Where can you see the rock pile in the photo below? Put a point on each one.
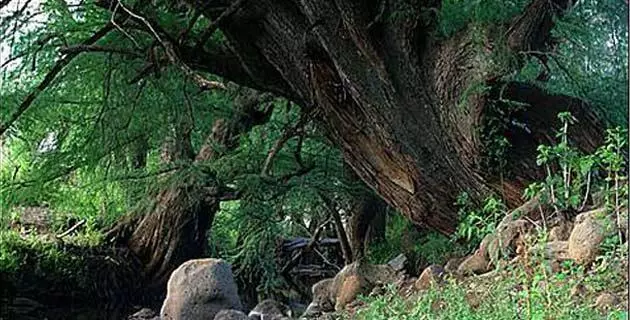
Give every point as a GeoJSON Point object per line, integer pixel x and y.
{"type": "Point", "coordinates": [205, 288]}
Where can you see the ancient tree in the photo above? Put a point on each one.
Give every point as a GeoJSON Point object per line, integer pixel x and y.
{"type": "Point", "coordinates": [415, 111]}
{"type": "Point", "coordinates": [396, 97]}
{"type": "Point", "coordinates": [174, 229]}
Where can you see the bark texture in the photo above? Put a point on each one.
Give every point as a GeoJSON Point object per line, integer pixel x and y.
{"type": "Point", "coordinates": [396, 98]}
{"type": "Point", "coordinates": [174, 229]}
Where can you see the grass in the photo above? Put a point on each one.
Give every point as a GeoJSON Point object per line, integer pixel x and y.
{"type": "Point", "coordinates": [528, 289]}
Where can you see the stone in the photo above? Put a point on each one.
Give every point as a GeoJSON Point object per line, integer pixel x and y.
{"type": "Point", "coordinates": [353, 280]}
{"type": "Point", "coordinates": [398, 263]}
{"type": "Point", "coordinates": [557, 250]}
{"type": "Point", "coordinates": [359, 279]}
{"type": "Point", "coordinates": [322, 299]}
{"type": "Point", "coordinates": [474, 264]}
{"type": "Point", "coordinates": [144, 314]}
{"type": "Point", "coordinates": [452, 264]}
{"type": "Point", "coordinates": [268, 310]}
{"type": "Point", "coordinates": [431, 275]}
{"type": "Point", "coordinates": [502, 243]}
{"type": "Point", "coordinates": [199, 289]}
{"type": "Point", "coordinates": [606, 301]}
{"type": "Point", "coordinates": [231, 314]}
{"type": "Point", "coordinates": [561, 232]}
{"type": "Point", "coordinates": [591, 228]}
{"type": "Point", "coordinates": [351, 287]}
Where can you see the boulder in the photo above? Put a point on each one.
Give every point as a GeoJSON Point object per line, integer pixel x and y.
{"type": "Point", "coordinates": [452, 264]}
{"type": "Point", "coordinates": [231, 314]}
{"type": "Point", "coordinates": [474, 264]}
{"type": "Point", "coordinates": [199, 289]}
{"type": "Point", "coordinates": [591, 228]}
{"type": "Point", "coordinates": [502, 243]}
{"type": "Point", "coordinates": [351, 285]}
{"type": "Point", "coordinates": [268, 310]}
{"type": "Point", "coordinates": [606, 301]}
{"type": "Point", "coordinates": [557, 250]}
{"type": "Point", "coordinates": [561, 232]}
{"type": "Point", "coordinates": [144, 314]}
{"type": "Point", "coordinates": [359, 278]}
{"type": "Point", "coordinates": [430, 276]}
{"type": "Point", "coordinates": [322, 299]}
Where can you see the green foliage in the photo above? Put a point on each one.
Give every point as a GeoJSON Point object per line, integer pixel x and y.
{"type": "Point", "coordinates": [245, 232]}
{"type": "Point", "coordinates": [93, 120]}
{"type": "Point", "coordinates": [591, 61]}
{"type": "Point", "coordinates": [399, 236]}
{"type": "Point", "coordinates": [18, 253]}
{"type": "Point", "coordinates": [475, 224]}
{"type": "Point", "coordinates": [498, 302]}
{"type": "Point", "coordinates": [527, 290]}
{"type": "Point", "coordinates": [454, 15]}
{"type": "Point", "coordinates": [572, 176]}
{"type": "Point", "coordinates": [420, 248]}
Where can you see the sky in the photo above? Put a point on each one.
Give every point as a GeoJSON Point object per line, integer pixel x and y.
{"type": "Point", "coordinates": [5, 50]}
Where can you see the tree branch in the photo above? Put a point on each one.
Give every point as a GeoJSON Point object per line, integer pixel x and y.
{"type": "Point", "coordinates": [286, 136]}
{"type": "Point", "coordinates": [3, 3]}
{"type": "Point", "coordinates": [218, 21]}
{"type": "Point", "coordinates": [341, 232]}
{"type": "Point", "coordinates": [169, 50]}
{"type": "Point", "coordinates": [531, 31]}
{"type": "Point", "coordinates": [95, 48]}
{"type": "Point", "coordinates": [48, 79]}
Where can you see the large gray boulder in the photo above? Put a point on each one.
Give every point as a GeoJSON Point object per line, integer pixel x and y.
{"type": "Point", "coordinates": [199, 289]}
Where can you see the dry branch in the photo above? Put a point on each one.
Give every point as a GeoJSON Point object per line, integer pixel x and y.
{"type": "Point", "coordinates": [69, 231]}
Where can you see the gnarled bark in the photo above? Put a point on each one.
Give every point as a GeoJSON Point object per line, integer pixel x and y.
{"type": "Point", "coordinates": [396, 98]}
{"type": "Point", "coordinates": [175, 228]}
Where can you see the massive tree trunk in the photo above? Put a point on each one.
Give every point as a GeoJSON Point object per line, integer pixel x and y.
{"type": "Point", "coordinates": [174, 229]}
{"type": "Point", "coordinates": [399, 100]}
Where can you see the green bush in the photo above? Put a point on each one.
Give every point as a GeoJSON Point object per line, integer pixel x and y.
{"type": "Point", "coordinates": [402, 236]}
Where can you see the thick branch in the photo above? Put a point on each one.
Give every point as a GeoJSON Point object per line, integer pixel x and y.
{"type": "Point", "coordinates": [4, 3]}
{"type": "Point", "coordinates": [214, 25]}
{"type": "Point", "coordinates": [531, 31]}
